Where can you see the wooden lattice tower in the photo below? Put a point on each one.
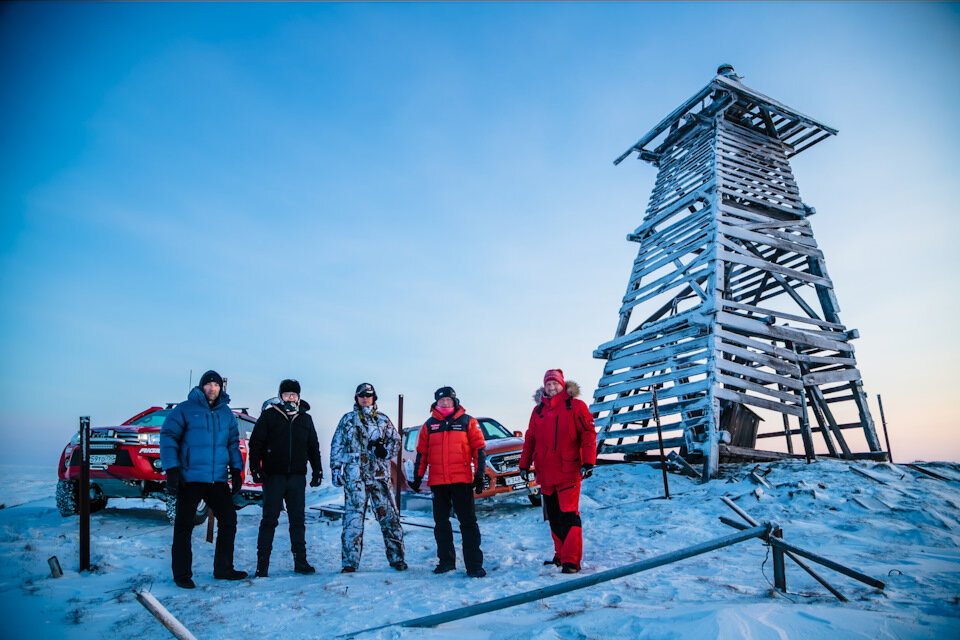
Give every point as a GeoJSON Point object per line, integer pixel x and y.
{"type": "Point", "coordinates": [737, 307]}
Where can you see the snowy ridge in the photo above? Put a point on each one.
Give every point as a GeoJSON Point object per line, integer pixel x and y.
{"type": "Point", "coordinates": [898, 526]}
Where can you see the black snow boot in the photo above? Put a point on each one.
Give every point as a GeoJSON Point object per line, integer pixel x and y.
{"type": "Point", "coordinates": [232, 574]}
{"type": "Point", "coordinates": [443, 568]}
{"type": "Point", "coordinates": [263, 567]}
{"type": "Point", "coordinates": [300, 564]}
{"type": "Point", "coordinates": [399, 565]}
{"type": "Point", "coordinates": [555, 562]}
{"type": "Point", "coordinates": [185, 583]}
{"type": "Point", "coordinates": [348, 570]}
{"type": "Point", "coordinates": [569, 567]}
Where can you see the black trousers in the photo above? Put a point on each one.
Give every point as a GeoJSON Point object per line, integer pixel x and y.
{"type": "Point", "coordinates": [218, 497]}
{"type": "Point", "coordinates": [460, 496]}
{"type": "Point", "coordinates": [277, 490]}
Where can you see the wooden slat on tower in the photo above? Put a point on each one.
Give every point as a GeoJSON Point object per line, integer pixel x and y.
{"type": "Point", "coordinates": [738, 308]}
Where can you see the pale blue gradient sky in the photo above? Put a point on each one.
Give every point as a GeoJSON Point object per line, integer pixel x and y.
{"type": "Point", "coordinates": [418, 195]}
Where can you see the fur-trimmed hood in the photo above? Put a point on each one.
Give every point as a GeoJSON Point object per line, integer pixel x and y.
{"type": "Point", "coordinates": [573, 389]}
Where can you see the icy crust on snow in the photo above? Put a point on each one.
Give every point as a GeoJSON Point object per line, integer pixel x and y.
{"type": "Point", "coordinates": [897, 525]}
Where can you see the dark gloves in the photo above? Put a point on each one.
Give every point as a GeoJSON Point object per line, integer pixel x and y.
{"type": "Point", "coordinates": [173, 481]}
{"type": "Point", "coordinates": [478, 483]}
{"type": "Point", "coordinates": [337, 475]}
{"type": "Point", "coordinates": [236, 481]}
{"type": "Point", "coordinates": [525, 474]}
{"type": "Point", "coordinates": [256, 471]}
{"type": "Point", "coordinates": [586, 471]}
{"type": "Point", "coordinates": [317, 478]}
{"type": "Point", "coordinates": [415, 483]}
{"type": "Point", "coordinates": [378, 449]}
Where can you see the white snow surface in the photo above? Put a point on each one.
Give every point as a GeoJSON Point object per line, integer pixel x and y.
{"type": "Point", "coordinates": [904, 532]}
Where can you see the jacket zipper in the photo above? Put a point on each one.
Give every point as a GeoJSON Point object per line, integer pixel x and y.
{"type": "Point", "coordinates": [556, 428]}
{"type": "Point", "coordinates": [213, 449]}
{"type": "Point", "coordinates": [290, 455]}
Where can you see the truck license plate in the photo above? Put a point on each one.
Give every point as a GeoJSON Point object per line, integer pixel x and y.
{"type": "Point", "coordinates": [103, 459]}
{"type": "Point", "coordinates": [513, 480]}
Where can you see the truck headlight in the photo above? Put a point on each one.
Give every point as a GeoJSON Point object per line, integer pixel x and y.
{"type": "Point", "coordinates": [149, 438]}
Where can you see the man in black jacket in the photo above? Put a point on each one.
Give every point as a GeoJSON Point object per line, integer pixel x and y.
{"type": "Point", "coordinates": [282, 441]}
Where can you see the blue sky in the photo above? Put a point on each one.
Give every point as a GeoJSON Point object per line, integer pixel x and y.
{"type": "Point", "coordinates": [418, 195]}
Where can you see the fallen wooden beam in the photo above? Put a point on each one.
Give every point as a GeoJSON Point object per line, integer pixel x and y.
{"type": "Point", "coordinates": [337, 511]}
{"type": "Point", "coordinates": [685, 466]}
{"type": "Point", "coordinates": [578, 583]}
{"type": "Point", "coordinates": [927, 472]}
{"type": "Point", "coordinates": [868, 475]}
{"type": "Point", "coordinates": [165, 617]}
{"type": "Point", "coordinates": [755, 455]}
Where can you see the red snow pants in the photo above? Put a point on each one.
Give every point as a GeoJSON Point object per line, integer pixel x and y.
{"type": "Point", "coordinates": [562, 504]}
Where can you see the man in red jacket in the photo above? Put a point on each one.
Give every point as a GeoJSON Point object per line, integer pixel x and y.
{"type": "Point", "coordinates": [562, 445]}
{"type": "Point", "coordinates": [452, 446]}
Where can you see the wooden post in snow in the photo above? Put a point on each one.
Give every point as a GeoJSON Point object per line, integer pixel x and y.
{"type": "Point", "coordinates": [83, 494]}
{"type": "Point", "coordinates": [211, 516]}
{"type": "Point", "coordinates": [166, 618]}
{"type": "Point", "coordinates": [399, 473]}
{"type": "Point", "coordinates": [736, 305]}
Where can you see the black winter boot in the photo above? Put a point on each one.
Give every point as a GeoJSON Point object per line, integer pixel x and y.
{"type": "Point", "coordinates": [232, 574]}
{"type": "Point", "coordinates": [263, 567]}
{"type": "Point", "coordinates": [300, 564]}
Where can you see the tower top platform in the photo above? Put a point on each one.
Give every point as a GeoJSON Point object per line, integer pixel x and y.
{"type": "Point", "coordinates": [726, 95]}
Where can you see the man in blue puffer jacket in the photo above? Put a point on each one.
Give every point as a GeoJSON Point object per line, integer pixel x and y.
{"type": "Point", "coordinates": [200, 449]}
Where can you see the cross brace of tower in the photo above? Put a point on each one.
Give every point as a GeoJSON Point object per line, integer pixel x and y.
{"type": "Point", "coordinates": [729, 311]}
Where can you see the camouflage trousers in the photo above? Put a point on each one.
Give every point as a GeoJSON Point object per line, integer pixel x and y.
{"type": "Point", "coordinates": [380, 494]}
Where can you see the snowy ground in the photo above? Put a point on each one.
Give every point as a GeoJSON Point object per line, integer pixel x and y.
{"type": "Point", "coordinates": [912, 546]}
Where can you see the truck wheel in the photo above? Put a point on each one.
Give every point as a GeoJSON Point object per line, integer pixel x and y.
{"type": "Point", "coordinates": [98, 504]}
{"type": "Point", "coordinates": [198, 518]}
{"type": "Point", "coordinates": [67, 497]}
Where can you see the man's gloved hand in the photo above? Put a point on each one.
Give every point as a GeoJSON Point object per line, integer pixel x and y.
{"type": "Point", "coordinates": [415, 483]}
{"type": "Point", "coordinates": [586, 470]}
{"type": "Point", "coordinates": [256, 475]}
{"type": "Point", "coordinates": [337, 476]}
{"type": "Point", "coordinates": [236, 481]}
{"type": "Point", "coordinates": [173, 481]}
{"type": "Point", "coordinates": [316, 479]}
{"type": "Point", "coordinates": [378, 449]}
{"type": "Point", "coordinates": [478, 483]}
{"type": "Point", "coordinates": [525, 475]}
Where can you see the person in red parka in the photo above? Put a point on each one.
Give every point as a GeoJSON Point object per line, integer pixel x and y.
{"type": "Point", "coordinates": [451, 445]}
{"type": "Point", "coordinates": [561, 442]}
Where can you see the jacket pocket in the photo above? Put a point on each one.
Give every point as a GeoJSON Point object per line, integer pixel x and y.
{"type": "Point", "coordinates": [569, 461]}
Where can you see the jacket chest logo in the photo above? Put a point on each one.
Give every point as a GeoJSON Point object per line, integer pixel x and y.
{"type": "Point", "coordinates": [436, 426]}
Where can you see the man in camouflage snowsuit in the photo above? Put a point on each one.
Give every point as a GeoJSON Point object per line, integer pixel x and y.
{"type": "Point", "coordinates": [363, 445]}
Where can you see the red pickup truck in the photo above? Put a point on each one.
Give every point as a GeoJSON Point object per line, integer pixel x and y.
{"type": "Point", "coordinates": [503, 456]}
{"type": "Point", "coordinates": [125, 463]}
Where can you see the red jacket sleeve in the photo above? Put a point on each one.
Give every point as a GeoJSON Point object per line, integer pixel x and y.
{"type": "Point", "coordinates": [475, 437]}
{"type": "Point", "coordinates": [529, 443]}
{"type": "Point", "coordinates": [422, 439]}
{"type": "Point", "coordinates": [588, 434]}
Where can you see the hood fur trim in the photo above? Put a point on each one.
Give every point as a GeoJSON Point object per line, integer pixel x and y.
{"type": "Point", "coordinates": [573, 389]}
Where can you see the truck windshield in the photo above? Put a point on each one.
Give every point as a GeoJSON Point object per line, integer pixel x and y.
{"type": "Point", "coordinates": [493, 430]}
{"type": "Point", "coordinates": [153, 419]}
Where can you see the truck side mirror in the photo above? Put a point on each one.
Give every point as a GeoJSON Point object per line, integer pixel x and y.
{"type": "Point", "coordinates": [519, 434]}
